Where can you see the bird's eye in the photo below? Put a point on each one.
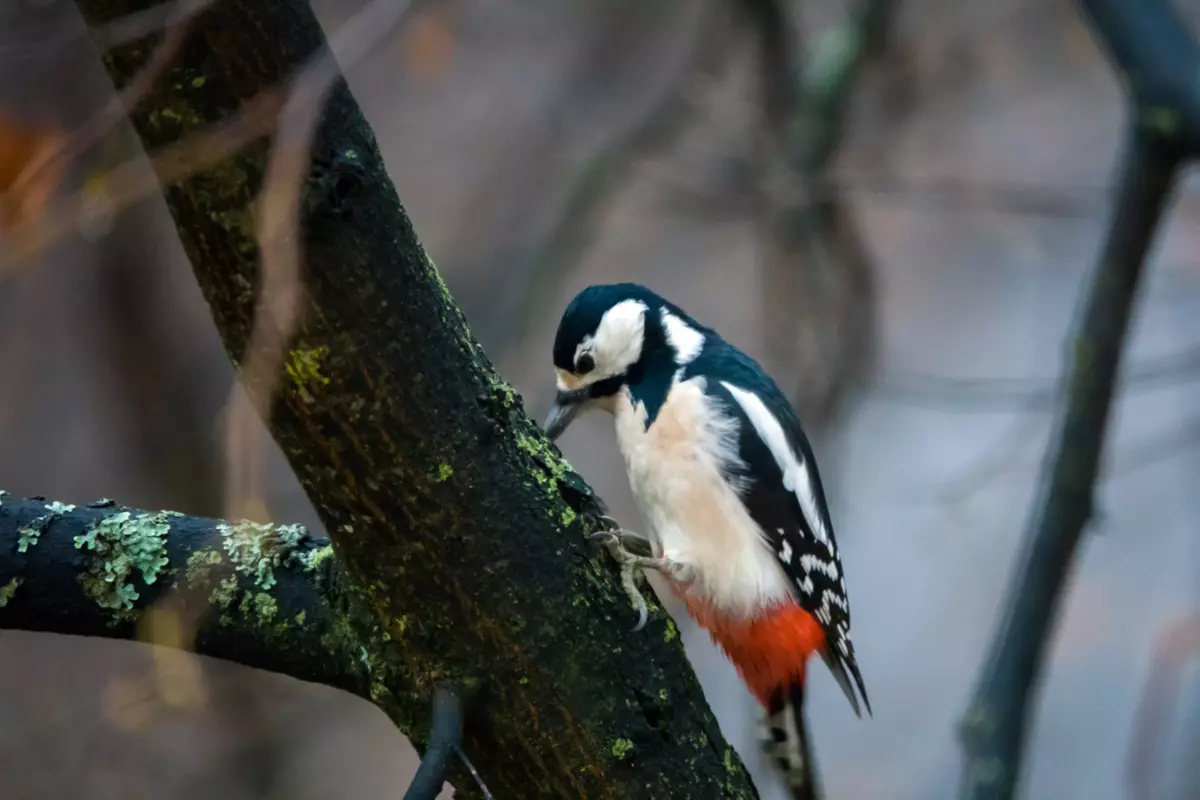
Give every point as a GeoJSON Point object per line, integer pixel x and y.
{"type": "Point", "coordinates": [585, 364]}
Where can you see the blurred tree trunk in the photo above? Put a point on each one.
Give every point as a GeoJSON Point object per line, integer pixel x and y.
{"type": "Point", "coordinates": [461, 523]}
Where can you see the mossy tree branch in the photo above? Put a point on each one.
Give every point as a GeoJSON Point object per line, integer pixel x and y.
{"type": "Point", "coordinates": [266, 596]}
{"type": "Point", "coordinates": [1150, 44]}
{"type": "Point", "coordinates": [461, 523]}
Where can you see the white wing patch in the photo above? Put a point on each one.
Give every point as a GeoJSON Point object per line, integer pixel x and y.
{"type": "Point", "coordinates": [785, 549]}
{"type": "Point", "coordinates": [686, 341]}
{"type": "Point", "coordinates": [795, 472]}
{"type": "Point", "coordinates": [810, 563]}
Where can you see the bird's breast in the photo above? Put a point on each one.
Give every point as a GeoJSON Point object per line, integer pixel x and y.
{"type": "Point", "coordinates": [677, 470]}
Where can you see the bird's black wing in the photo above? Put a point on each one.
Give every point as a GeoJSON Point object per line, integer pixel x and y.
{"type": "Point", "coordinates": [790, 506]}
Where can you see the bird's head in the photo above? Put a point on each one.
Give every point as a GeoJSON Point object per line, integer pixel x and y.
{"type": "Point", "coordinates": [606, 338]}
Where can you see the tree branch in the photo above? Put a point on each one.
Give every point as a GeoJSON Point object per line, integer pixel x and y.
{"type": "Point", "coordinates": [445, 502]}
{"type": "Point", "coordinates": [266, 596]}
{"type": "Point", "coordinates": [994, 728]}
{"type": "Point", "coordinates": [445, 737]}
{"type": "Point", "coordinates": [1149, 42]}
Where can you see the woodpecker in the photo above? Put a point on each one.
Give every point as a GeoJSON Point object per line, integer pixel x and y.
{"type": "Point", "coordinates": [726, 480]}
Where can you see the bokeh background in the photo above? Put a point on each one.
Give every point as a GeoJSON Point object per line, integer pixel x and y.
{"type": "Point", "coordinates": [545, 145]}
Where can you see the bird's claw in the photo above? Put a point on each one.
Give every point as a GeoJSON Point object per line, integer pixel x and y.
{"type": "Point", "coordinates": [613, 540]}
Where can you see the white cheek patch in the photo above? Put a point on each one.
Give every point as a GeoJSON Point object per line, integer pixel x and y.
{"type": "Point", "coordinates": [795, 472]}
{"type": "Point", "coordinates": [686, 341]}
{"type": "Point", "coordinates": [617, 342]}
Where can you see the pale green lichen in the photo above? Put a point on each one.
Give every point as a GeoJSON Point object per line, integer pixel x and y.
{"type": "Point", "coordinates": [310, 559]}
{"type": "Point", "coordinates": [292, 535]}
{"type": "Point", "coordinates": [304, 367]}
{"type": "Point", "coordinates": [552, 470]}
{"type": "Point", "coordinates": [444, 472]}
{"type": "Point", "coordinates": [508, 395]}
{"type": "Point", "coordinates": [200, 567]}
{"type": "Point", "coordinates": [621, 748]}
{"type": "Point", "coordinates": [257, 548]}
{"type": "Point", "coordinates": [262, 606]}
{"type": "Point", "coordinates": [28, 535]}
{"type": "Point", "coordinates": [539, 448]}
{"type": "Point", "coordinates": [8, 590]}
{"type": "Point", "coordinates": [122, 544]}
{"type": "Point", "coordinates": [223, 596]}
{"type": "Point", "coordinates": [672, 632]}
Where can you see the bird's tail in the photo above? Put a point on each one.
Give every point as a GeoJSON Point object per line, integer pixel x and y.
{"type": "Point", "coordinates": [786, 741]}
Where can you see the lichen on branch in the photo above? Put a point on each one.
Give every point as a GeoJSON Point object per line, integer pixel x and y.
{"type": "Point", "coordinates": [283, 605]}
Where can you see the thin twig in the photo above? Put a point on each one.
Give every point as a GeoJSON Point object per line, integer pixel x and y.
{"type": "Point", "coordinates": [1022, 395]}
{"type": "Point", "coordinates": [445, 740]}
{"type": "Point", "coordinates": [462, 756]}
{"type": "Point", "coordinates": [53, 160]}
{"type": "Point", "coordinates": [130, 181]}
{"type": "Point", "coordinates": [636, 130]}
{"type": "Point", "coordinates": [123, 30]}
{"type": "Point", "coordinates": [993, 730]}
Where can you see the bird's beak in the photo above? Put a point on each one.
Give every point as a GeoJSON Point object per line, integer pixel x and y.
{"type": "Point", "coordinates": [567, 406]}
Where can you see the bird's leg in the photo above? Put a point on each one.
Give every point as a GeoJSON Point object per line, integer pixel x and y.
{"type": "Point", "coordinates": [614, 541]}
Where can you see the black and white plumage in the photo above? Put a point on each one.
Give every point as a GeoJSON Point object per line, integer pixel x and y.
{"type": "Point", "coordinates": [720, 467]}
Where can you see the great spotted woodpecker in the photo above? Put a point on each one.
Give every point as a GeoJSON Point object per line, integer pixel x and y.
{"type": "Point", "coordinates": [726, 480]}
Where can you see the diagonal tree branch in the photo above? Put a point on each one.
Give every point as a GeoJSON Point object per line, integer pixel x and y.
{"type": "Point", "coordinates": [461, 523]}
{"type": "Point", "coordinates": [1160, 69]}
{"type": "Point", "coordinates": [1152, 46]}
{"type": "Point", "coordinates": [994, 727]}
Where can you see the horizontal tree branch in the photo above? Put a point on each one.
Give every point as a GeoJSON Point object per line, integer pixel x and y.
{"type": "Point", "coordinates": [271, 597]}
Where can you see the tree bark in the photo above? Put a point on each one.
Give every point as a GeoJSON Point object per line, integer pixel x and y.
{"type": "Point", "coordinates": [461, 523]}
{"type": "Point", "coordinates": [265, 596]}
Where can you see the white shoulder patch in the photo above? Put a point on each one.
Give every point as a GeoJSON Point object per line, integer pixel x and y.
{"type": "Point", "coordinates": [795, 472]}
{"type": "Point", "coordinates": [685, 340]}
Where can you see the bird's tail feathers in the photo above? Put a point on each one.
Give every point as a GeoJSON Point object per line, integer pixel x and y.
{"type": "Point", "coordinates": [786, 741]}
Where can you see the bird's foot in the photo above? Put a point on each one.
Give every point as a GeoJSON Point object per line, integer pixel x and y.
{"type": "Point", "coordinates": [614, 541]}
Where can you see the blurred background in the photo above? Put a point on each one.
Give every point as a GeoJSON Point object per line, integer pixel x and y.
{"type": "Point", "coordinates": [911, 282]}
